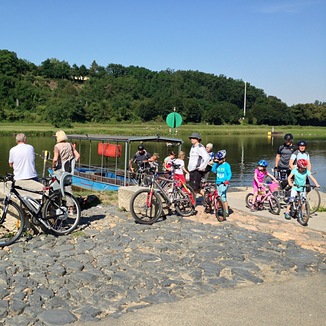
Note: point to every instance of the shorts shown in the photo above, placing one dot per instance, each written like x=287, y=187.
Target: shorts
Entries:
x=195, y=179
x=222, y=189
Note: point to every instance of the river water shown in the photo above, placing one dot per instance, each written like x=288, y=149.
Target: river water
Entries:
x=243, y=153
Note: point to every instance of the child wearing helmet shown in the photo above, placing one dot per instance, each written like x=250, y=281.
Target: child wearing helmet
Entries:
x=259, y=174
x=299, y=175
x=299, y=154
x=223, y=176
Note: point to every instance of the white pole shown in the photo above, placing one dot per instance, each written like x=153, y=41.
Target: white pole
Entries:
x=244, y=100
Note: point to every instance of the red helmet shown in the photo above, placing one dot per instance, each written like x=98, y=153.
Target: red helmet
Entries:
x=302, y=163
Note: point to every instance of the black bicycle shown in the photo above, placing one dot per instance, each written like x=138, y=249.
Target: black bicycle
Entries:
x=56, y=211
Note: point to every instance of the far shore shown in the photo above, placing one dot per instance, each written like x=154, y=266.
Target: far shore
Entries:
x=152, y=128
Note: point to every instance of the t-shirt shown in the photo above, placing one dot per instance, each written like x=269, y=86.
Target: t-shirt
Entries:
x=23, y=158
x=300, y=179
x=140, y=157
x=223, y=172
x=260, y=175
x=297, y=155
x=285, y=151
x=181, y=163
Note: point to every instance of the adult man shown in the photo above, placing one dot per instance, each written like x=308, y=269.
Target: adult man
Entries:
x=282, y=158
x=141, y=157
x=284, y=153
x=198, y=160
x=22, y=159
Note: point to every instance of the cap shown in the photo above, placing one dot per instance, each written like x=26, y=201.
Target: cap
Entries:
x=141, y=147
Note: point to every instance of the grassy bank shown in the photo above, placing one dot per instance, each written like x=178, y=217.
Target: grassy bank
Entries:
x=158, y=128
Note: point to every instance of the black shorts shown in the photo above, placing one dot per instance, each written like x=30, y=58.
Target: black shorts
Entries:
x=195, y=179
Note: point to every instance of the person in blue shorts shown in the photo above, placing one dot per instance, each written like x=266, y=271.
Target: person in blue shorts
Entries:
x=223, y=177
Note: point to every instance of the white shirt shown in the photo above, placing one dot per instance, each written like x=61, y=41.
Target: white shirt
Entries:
x=198, y=158
x=22, y=157
x=181, y=163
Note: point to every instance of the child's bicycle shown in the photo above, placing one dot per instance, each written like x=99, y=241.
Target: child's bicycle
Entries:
x=300, y=208
x=282, y=193
x=212, y=201
x=265, y=199
x=50, y=211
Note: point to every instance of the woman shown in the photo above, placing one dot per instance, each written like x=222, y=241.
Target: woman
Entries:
x=64, y=158
x=64, y=152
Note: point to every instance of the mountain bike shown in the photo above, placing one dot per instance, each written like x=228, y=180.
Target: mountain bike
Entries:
x=146, y=205
x=265, y=199
x=213, y=201
x=50, y=211
x=300, y=208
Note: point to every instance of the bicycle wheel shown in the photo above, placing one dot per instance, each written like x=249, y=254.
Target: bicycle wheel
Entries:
x=274, y=206
x=313, y=198
x=58, y=216
x=219, y=209
x=303, y=214
x=182, y=203
x=146, y=206
x=12, y=223
x=249, y=199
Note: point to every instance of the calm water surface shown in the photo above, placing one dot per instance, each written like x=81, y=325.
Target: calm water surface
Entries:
x=243, y=153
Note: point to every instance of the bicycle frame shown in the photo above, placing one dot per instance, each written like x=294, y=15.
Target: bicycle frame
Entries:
x=25, y=200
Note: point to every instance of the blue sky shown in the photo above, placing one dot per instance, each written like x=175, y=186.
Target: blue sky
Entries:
x=276, y=45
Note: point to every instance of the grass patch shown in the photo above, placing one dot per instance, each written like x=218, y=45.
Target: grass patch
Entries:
x=153, y=128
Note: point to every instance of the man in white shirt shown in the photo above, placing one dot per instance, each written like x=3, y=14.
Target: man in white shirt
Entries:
x=22, y=159
x=198, y=160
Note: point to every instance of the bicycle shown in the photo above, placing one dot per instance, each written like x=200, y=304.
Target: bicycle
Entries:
x=146, y=205
x=50, y=211
x=284, y=190
x=300, y=208
x=265, y=198
x=213, y=201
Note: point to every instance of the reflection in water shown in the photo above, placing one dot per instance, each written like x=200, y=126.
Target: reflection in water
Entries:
x=243, y=153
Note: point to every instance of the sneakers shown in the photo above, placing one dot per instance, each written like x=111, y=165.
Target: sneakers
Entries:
x=252, y=208
x=227, y=214
x=287, y=216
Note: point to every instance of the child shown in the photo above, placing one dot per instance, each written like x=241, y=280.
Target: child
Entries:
x=153, y=161
x=167, y=160
x=259, y=175
x=178, y=173
x=300, y=175
x=223, y=177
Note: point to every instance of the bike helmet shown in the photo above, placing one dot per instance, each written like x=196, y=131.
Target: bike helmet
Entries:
x=220, y=155
x=263, y=163
x=302, y=163
x=302, y=143
x=141, y=147
x=288, y=137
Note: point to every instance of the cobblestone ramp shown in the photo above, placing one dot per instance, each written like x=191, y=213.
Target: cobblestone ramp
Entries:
x=111, y=265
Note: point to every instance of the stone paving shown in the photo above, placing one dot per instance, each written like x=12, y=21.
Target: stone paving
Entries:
x=111, y=265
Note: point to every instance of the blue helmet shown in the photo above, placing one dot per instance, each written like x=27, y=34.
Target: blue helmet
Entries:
x=263, y=163
x=220, y=155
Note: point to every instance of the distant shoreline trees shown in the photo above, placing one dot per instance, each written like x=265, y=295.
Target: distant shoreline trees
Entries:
x=61, y=94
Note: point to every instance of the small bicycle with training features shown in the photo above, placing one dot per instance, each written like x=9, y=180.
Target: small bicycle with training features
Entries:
x=50, y=211
x=265, y=199
x=300, y=208
x=212, y=201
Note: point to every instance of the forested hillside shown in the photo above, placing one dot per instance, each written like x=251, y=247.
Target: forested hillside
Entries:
x=58, y=93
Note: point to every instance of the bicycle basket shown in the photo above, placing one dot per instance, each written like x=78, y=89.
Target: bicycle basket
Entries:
x=273, y=186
